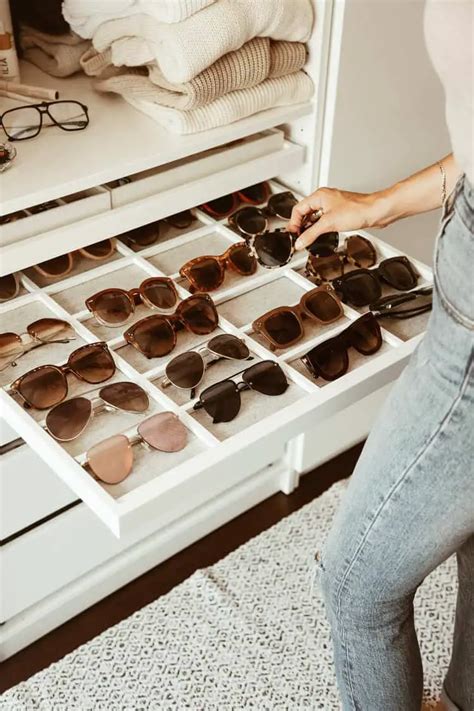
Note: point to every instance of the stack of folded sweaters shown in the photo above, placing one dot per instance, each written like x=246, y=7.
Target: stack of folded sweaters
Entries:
x=196, y=64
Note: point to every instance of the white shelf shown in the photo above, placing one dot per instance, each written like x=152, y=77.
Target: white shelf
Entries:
x=118, y=141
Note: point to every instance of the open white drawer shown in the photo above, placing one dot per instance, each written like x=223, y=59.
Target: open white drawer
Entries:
x=163, y=487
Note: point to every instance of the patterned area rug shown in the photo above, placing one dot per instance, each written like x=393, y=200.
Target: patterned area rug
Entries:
x=247, y=633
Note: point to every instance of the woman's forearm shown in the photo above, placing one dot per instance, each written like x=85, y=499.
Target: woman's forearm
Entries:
x=421, y=192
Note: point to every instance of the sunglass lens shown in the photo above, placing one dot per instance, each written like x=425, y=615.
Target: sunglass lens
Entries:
x=206, y=274
x=273, y=248
x=145, y=235
x=365, y=335
x=111, y=460
x=256, y=194
x=69, y=419
x=323, y=305
x=250, y=220
x=56, y=267
x=99, y=250
x=126, y=396
x=229, y=346
x=326, y=268
x=324, y=245
x=186, y=370
x=154, y=336
x=397, y=273
x=112, y=307
x=220, y=207
x=9, y=287
x=181, y=220
x=44, y=387
x=282, y=204
x=283, y=327
x=199, y=313
x=51, y=329
x=361, y=251
x=93, y=363
x=242, y=259
x=330, y=359
x=11, y=347
x=159, y=293
x=267, y=378
x=361, y=288
x=221, y=401
x=164, y=432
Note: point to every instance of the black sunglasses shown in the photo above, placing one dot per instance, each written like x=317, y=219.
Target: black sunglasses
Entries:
x=402, y=306
x=25, y=122
x=363, y=286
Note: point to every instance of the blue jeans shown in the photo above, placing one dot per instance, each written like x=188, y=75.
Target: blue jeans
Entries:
x=410, y=503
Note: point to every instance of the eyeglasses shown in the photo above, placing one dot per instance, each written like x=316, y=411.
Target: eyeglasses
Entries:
x=9, y=286
x=186, y=370
x=223, y=206
x=283, y=326
x=207, y=273
x=330, y=360
x=155, y=336
x=68, y=420
x=222, y=400
x=27, y=121
x=362, y=286
x=62, y=265
x=47, y=385
x=111, y=461
x=403, y=306
x=41, y=332
x=146, y=235
x=357, y=250
x=114, y=307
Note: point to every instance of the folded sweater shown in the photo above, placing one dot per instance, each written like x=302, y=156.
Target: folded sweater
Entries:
x=288, y=90
x=256, y=61
x=57, y=55
x=85, y=16
x=184, y=50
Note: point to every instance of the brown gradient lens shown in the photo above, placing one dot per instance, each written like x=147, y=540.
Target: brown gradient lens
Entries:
x=242, y=259
x=327, y=268
x=330, y=359
x=186, y=370
x=99, y=250
x=113, y=307
x=93, y=363
x=361, y=251
x=206, y=274
x=154, y=336
x=164, y=432
x=199, y=314
x=250, y=220
x=323, y=305
x=69, y=419
x=159, y=293
x=221, y=401
x=361, y=288
x=11, y=347
x=255, y=194
x=282, y=204
x=365, y=335
x=53, y=268
x=266, y=377
x=397, y=273
x=50, y=329
x=145, y=235
x=274, y=249
x=181, y=220
x=125, y=396
x=228, y=346
x=9, y=287
x=43, y=387
x=283, y=327
x=221, y=206
x=111, y=460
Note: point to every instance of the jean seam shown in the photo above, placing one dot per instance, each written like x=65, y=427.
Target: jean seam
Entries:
x=396, y=485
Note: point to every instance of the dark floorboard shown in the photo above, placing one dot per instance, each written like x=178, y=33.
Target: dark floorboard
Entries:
x=160, y=580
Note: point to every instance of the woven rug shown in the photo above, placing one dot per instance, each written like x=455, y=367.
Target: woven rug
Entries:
x=246, y=633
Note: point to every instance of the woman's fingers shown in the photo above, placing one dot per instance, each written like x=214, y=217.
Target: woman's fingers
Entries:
x=301, y=210
x=319, y=228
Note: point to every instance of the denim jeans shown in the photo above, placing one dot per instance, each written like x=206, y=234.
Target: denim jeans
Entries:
x=410, y=503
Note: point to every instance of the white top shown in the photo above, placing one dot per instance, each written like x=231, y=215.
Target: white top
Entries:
x=449, y=32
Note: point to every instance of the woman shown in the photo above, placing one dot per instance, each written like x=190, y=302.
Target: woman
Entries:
x=410, y=502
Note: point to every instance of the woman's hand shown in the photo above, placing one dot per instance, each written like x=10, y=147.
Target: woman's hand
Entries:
x=341, y=211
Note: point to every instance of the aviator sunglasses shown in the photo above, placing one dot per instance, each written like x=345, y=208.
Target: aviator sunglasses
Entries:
x=283, y=326
x=155, y=336
x=363, y=286
x=114, y=307
x=40, y=333
x=111, y=460
x=222, y=401
x=62, y=265
x=207, y=273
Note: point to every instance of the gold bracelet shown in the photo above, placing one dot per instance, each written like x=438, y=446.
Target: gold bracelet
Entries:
x=443, y=185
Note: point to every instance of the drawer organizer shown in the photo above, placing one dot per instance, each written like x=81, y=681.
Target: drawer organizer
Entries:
x=162, y=487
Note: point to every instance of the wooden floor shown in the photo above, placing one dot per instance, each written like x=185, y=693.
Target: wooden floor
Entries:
x=160, y=580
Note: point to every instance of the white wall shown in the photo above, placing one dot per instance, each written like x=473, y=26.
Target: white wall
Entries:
x=389, y=115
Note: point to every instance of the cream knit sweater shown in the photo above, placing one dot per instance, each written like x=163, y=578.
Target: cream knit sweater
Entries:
x=58, y=55
x=288, y=90
x=184, y=50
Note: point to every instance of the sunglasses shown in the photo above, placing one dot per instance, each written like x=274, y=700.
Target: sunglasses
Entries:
x=363, y=286
x=41, y=332
x=114, y=307
x=330, y=360
x=155, y=336
x=146, y=235
x=207, y=273
x=111, y=460
x=250, y=221
x=402, y=306
x=357, y=250
x=47, y=385
x=283, y=326
x=186, y=370
x=223, y=206
x=222, y=400
x=9, y=286
x=62, y=265
x=68, y=420
x=27, y=121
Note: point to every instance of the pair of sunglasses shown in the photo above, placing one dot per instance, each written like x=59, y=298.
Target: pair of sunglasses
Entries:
x=111, y=460
x=330, y=360
x=62, y=265
x=222, y=401
x=403, y=306
x=223, y=206
x=68, y=420
x=9, y=286
x=327, y=265
x=207, y=273
x=41, y=332
x=186, y=370
x=114, y=307
x=47, y=385
x=363, y=286
x=146, y=235
x=155, y=336
x=283, y=327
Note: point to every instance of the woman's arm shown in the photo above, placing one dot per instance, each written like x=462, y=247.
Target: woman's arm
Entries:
x=343, y=210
